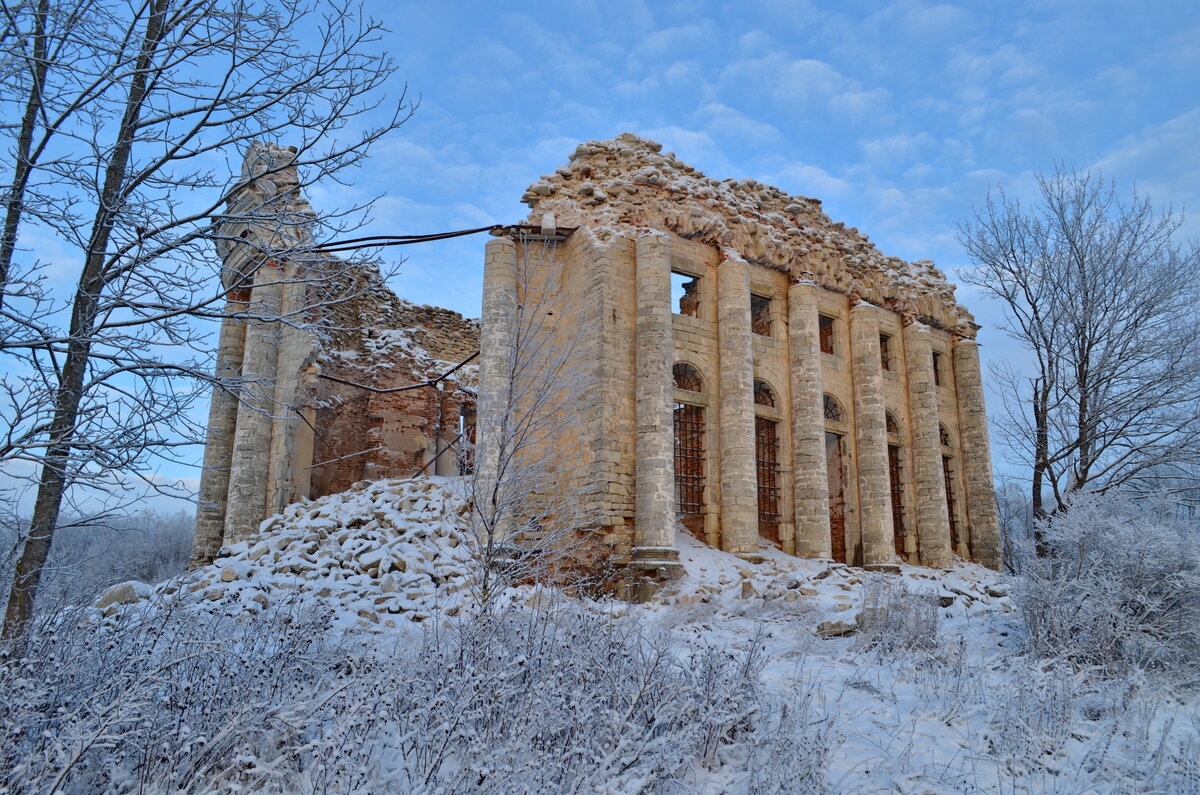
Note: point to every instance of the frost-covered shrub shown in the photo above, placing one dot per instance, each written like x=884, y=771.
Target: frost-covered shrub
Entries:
x=896, y=618
x=170, y=699
x=86, y=558
x=572, y=701
x=1117, y=586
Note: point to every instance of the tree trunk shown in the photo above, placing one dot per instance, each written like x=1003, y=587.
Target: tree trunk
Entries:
x=1041, y=397
x=69, y=395
x=22, y=166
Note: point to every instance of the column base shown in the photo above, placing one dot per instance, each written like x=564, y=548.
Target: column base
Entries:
x=886, y=568
x=659, y=562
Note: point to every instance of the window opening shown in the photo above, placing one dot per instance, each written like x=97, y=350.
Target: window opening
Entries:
x=833, y=410
x=892, y=426
x=943, y=435
x=763, y=394
x=766, y=449
x=885, y=351
x=689, y=467
x=760, y=315
x=826, y=328
x=687, y=377
x=937, y=368
x=685, y=294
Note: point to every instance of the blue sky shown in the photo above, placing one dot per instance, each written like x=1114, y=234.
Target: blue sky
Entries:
x=899, y=116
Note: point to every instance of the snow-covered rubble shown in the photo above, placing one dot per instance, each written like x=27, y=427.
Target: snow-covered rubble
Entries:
x=400, y=550
x=383, y=552
x=830, y=595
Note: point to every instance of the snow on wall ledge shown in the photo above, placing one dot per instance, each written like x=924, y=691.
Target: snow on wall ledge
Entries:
x=627, y=183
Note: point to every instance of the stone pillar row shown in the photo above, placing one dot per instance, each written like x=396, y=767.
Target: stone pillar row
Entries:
x=654, y=478
x=222, y=424
x=250, y=460
x=982, y=519
x=739, y=479
x=810, y=480
x=933, y=521
x=497, y=359
x=870, y=436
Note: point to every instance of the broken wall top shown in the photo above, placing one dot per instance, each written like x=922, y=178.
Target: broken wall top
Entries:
x=628, y=183
x=352, y=312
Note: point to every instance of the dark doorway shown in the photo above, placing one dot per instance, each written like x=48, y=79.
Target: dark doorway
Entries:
x=766, y=454
x=837, y=495
x=689, y=467
x=897, y=499
x=946, y=473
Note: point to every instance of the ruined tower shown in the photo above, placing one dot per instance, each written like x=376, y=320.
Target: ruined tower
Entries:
x=320, y=368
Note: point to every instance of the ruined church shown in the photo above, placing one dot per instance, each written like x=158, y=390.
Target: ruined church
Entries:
x=734, y=365
x=754, y=373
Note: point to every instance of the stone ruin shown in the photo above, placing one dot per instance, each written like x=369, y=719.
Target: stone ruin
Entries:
x=756, y=373
x=735, y=364
x=322, y=370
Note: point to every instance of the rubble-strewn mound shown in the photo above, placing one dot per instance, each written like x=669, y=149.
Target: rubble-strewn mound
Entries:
x=383, y=551
x=395, y=552
x=627, y=183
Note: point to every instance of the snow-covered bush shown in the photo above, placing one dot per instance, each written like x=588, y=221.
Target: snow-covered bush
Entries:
x=170, y=701
x=896, y=618
x=88, y=557
x=168, y=698
x=570, y=701
x=1117, y=586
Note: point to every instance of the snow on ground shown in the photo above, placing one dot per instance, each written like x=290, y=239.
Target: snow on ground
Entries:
x=384, y=552
x=916, y=675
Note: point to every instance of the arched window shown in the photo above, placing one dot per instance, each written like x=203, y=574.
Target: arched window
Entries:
x=687, y=377
x=763, y=394
x=833, y=410
x=893, y=427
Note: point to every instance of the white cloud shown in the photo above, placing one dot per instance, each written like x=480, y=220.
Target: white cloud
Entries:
x=809, y=180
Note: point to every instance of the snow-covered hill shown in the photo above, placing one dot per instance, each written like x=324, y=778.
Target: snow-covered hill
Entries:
x=345, y=652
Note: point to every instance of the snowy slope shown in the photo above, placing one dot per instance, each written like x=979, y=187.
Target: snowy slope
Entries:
x=908, y=682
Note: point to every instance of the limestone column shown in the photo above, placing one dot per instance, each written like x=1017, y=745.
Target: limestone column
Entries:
x=250, y=464
x=976, y=455
x=222, y=422
x=870, y=438
x=810, y=479
x=933, y=521
x=654, y=479
x=739, y=487
x=295, y=349
x=497, y=358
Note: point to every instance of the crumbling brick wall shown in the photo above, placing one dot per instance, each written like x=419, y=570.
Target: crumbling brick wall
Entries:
x=315, y=354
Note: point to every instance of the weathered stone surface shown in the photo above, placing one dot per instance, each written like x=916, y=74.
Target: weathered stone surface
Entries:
x=123, y=594
x=302, y=332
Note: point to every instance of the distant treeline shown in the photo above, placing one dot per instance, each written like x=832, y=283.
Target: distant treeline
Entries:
x=87, y=558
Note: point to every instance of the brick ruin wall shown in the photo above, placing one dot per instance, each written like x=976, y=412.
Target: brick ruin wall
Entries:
x=365, y=435
x=312, y=344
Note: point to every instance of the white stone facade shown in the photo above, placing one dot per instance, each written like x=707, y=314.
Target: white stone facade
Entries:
x=831, y=394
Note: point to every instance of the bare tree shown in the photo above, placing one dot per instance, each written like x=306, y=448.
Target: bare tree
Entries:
x=1104, y=297
x=524, y=512
x=99, y=378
